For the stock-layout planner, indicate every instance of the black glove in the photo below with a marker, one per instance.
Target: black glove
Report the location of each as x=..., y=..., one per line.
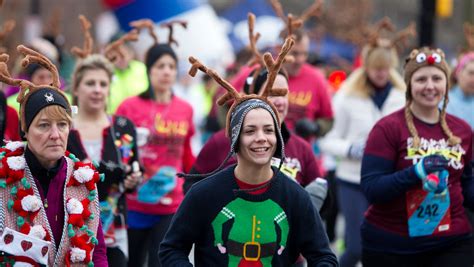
x=306, y=128
x=430, y=164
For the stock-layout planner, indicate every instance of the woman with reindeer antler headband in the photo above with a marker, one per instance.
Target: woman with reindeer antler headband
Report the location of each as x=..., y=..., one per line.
x=165, y=123
x=108, y=140
x=249, y=214
x=370, y=93
x=49, y=209
x=299, y=163
x=417, y=176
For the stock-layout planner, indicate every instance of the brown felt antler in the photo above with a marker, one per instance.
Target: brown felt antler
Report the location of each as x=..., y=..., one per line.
x=292, y=22
x=383, y=24
x=27, y=87
x=113, y=51
x=253, y=38
x=8, y=26
x=31, y=56
x=276, y=5
x=88, y=41
x=257, y=57
x=469, y=35
x=5, y=76
x=401, y=38
x=313, y=11
x=231, y=92
x=170, y=25
x=273, y=67
x=145, y=23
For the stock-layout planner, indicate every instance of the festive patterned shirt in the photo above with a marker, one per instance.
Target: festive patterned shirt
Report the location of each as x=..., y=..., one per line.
x=170, y=130
x=388, y=176
x=231, y=227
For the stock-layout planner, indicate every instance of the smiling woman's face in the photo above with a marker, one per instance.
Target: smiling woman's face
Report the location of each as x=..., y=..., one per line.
x=47, y=136
x=428, y=87
x=258, y=141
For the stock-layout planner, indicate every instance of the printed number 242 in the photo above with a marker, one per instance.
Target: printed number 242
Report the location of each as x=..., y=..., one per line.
x=427, y=211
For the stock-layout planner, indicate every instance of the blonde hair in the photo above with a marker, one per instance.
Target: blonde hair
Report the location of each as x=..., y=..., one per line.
x=91, y=62
x=373, y=57
x=54, y=112
x=379, y=56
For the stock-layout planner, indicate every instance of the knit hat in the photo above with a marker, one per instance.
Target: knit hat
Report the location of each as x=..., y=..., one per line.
x=156, y=52
x=417, y=59
x=423, y=57
x=32, y=97
x=40, y=99
x=237, y=119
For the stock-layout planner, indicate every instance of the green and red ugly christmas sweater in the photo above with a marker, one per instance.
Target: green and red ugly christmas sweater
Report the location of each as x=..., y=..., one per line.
x=232, y=227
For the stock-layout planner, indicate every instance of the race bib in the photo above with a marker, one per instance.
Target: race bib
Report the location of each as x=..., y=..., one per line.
x=428, y=213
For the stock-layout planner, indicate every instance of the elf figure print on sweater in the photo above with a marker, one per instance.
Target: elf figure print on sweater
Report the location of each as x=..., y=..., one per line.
x=253, y=235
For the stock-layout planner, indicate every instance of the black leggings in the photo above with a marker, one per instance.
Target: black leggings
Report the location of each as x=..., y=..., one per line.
x=116, y=258
x=457, y=254
x=146, y=242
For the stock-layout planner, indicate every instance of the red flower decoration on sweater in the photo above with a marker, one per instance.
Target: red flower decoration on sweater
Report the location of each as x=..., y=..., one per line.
x=78, y=211
x=80, y=251
x=37, y=231
x=26, y=203
x=84, y=173
x=13, y=168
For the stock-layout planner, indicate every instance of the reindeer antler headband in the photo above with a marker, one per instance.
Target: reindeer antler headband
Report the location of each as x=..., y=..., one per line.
x=400, y=38
x=113, y=51
x=273, y=66
x=293, y=23
x=27, y=88
x=88, y=41
x=257, y=56
x=170, y=25
x=145, y=24
x=150, y=25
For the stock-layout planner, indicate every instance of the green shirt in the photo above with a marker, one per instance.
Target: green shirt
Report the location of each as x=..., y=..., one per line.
x=125, y=83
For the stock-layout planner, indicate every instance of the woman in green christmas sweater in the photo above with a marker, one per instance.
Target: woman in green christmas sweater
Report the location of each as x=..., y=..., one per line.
x=249, y=214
